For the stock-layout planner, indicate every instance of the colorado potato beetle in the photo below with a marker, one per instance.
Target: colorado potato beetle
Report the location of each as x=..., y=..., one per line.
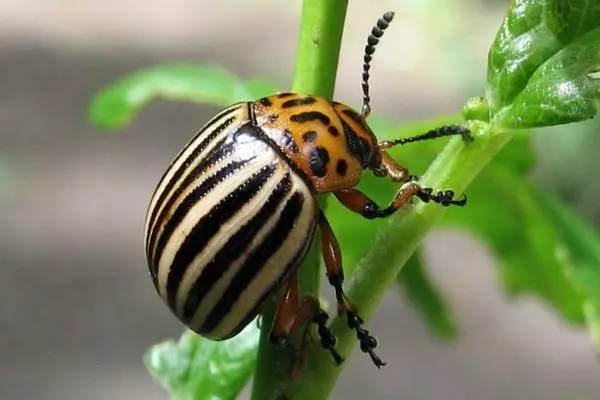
x=235, y=213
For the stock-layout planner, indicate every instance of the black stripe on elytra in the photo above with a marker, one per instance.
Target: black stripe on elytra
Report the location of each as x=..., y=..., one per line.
x=193, y=155
x=311, y=116
x=219, y=151
x=284, y=95
x=209, y=225
x=289, y=269
x=181, y=211
x=235, y=246
x=302, y=101
x=256, y=261
x=357, y=146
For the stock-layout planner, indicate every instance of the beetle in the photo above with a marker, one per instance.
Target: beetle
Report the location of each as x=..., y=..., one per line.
x=235, y=213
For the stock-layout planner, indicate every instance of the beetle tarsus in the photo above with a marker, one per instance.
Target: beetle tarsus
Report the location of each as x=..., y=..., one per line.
x=367, y=342
x=327, y=337
x=442, y=197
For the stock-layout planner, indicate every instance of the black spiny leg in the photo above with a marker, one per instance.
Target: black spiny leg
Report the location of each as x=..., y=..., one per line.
x=335, y=273
x=292, y=314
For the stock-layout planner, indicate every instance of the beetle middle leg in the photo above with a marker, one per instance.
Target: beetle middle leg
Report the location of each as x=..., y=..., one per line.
x=292, y=314
x=333, y=262
x=360, y=203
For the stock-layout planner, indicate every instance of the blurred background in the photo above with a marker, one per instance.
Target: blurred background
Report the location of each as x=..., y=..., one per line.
x=77, y=309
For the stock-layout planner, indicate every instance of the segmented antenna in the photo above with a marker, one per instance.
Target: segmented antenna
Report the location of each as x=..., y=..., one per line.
x=372, y=40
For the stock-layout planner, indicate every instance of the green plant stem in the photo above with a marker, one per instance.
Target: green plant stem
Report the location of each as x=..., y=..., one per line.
x=321, y=28
x=455, y=167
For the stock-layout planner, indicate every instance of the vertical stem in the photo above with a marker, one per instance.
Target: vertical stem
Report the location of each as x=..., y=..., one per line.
x=320, y=37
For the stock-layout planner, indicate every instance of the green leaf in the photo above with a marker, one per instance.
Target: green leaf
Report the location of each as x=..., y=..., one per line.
x=504, y=212
x=421, y=291
x=202, y=369
x=579, y=250
x=587, y=279
x=117, y=104
x=539, y=64
x=564, y=89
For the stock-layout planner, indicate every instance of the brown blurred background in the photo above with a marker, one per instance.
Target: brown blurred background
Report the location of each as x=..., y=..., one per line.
x=77, y=309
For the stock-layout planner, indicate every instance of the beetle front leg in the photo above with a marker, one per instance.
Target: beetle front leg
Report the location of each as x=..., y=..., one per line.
x=333, y=262
x=358, y=202
x=292, y=314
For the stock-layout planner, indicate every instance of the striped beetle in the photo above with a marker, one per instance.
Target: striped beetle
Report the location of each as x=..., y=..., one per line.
x=235, y=213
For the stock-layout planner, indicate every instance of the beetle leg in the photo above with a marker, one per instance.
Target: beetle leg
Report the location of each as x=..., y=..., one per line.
x=358, y=202
x=390, y=167
x=333, y=262
x=292, y=314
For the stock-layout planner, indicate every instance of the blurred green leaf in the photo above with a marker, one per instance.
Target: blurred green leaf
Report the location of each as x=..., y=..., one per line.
x=421, y=291
x=588, y=280
x=202, y=369
x=117, y=104
x=579, y=250
x=539, y=63
x=504, y=212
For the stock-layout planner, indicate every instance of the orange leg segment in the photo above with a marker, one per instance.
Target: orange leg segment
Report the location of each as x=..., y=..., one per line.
x=335, y=274
x=390, y=167
x=292, y=314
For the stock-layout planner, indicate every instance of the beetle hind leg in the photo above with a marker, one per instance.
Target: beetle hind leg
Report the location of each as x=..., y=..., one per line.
x=292, y=315
x=333, y=262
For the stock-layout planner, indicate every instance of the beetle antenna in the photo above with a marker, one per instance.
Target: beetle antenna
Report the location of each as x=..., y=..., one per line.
x=376, y=34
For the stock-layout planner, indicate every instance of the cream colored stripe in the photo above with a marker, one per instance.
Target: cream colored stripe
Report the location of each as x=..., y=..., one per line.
x=199, y=210
x=201, y=179
x=216, y=292
x=241, y=118
x=176, y=165
x=274, y=268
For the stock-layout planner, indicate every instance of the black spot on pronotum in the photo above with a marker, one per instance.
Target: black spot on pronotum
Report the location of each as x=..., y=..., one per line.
x=309, y=136
x=333, y=130
x=288, y=142
x=341, y=167
x=311, y=116
x=317, y=161
x=298, y=102
x=266, y=102
x=272, y=117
